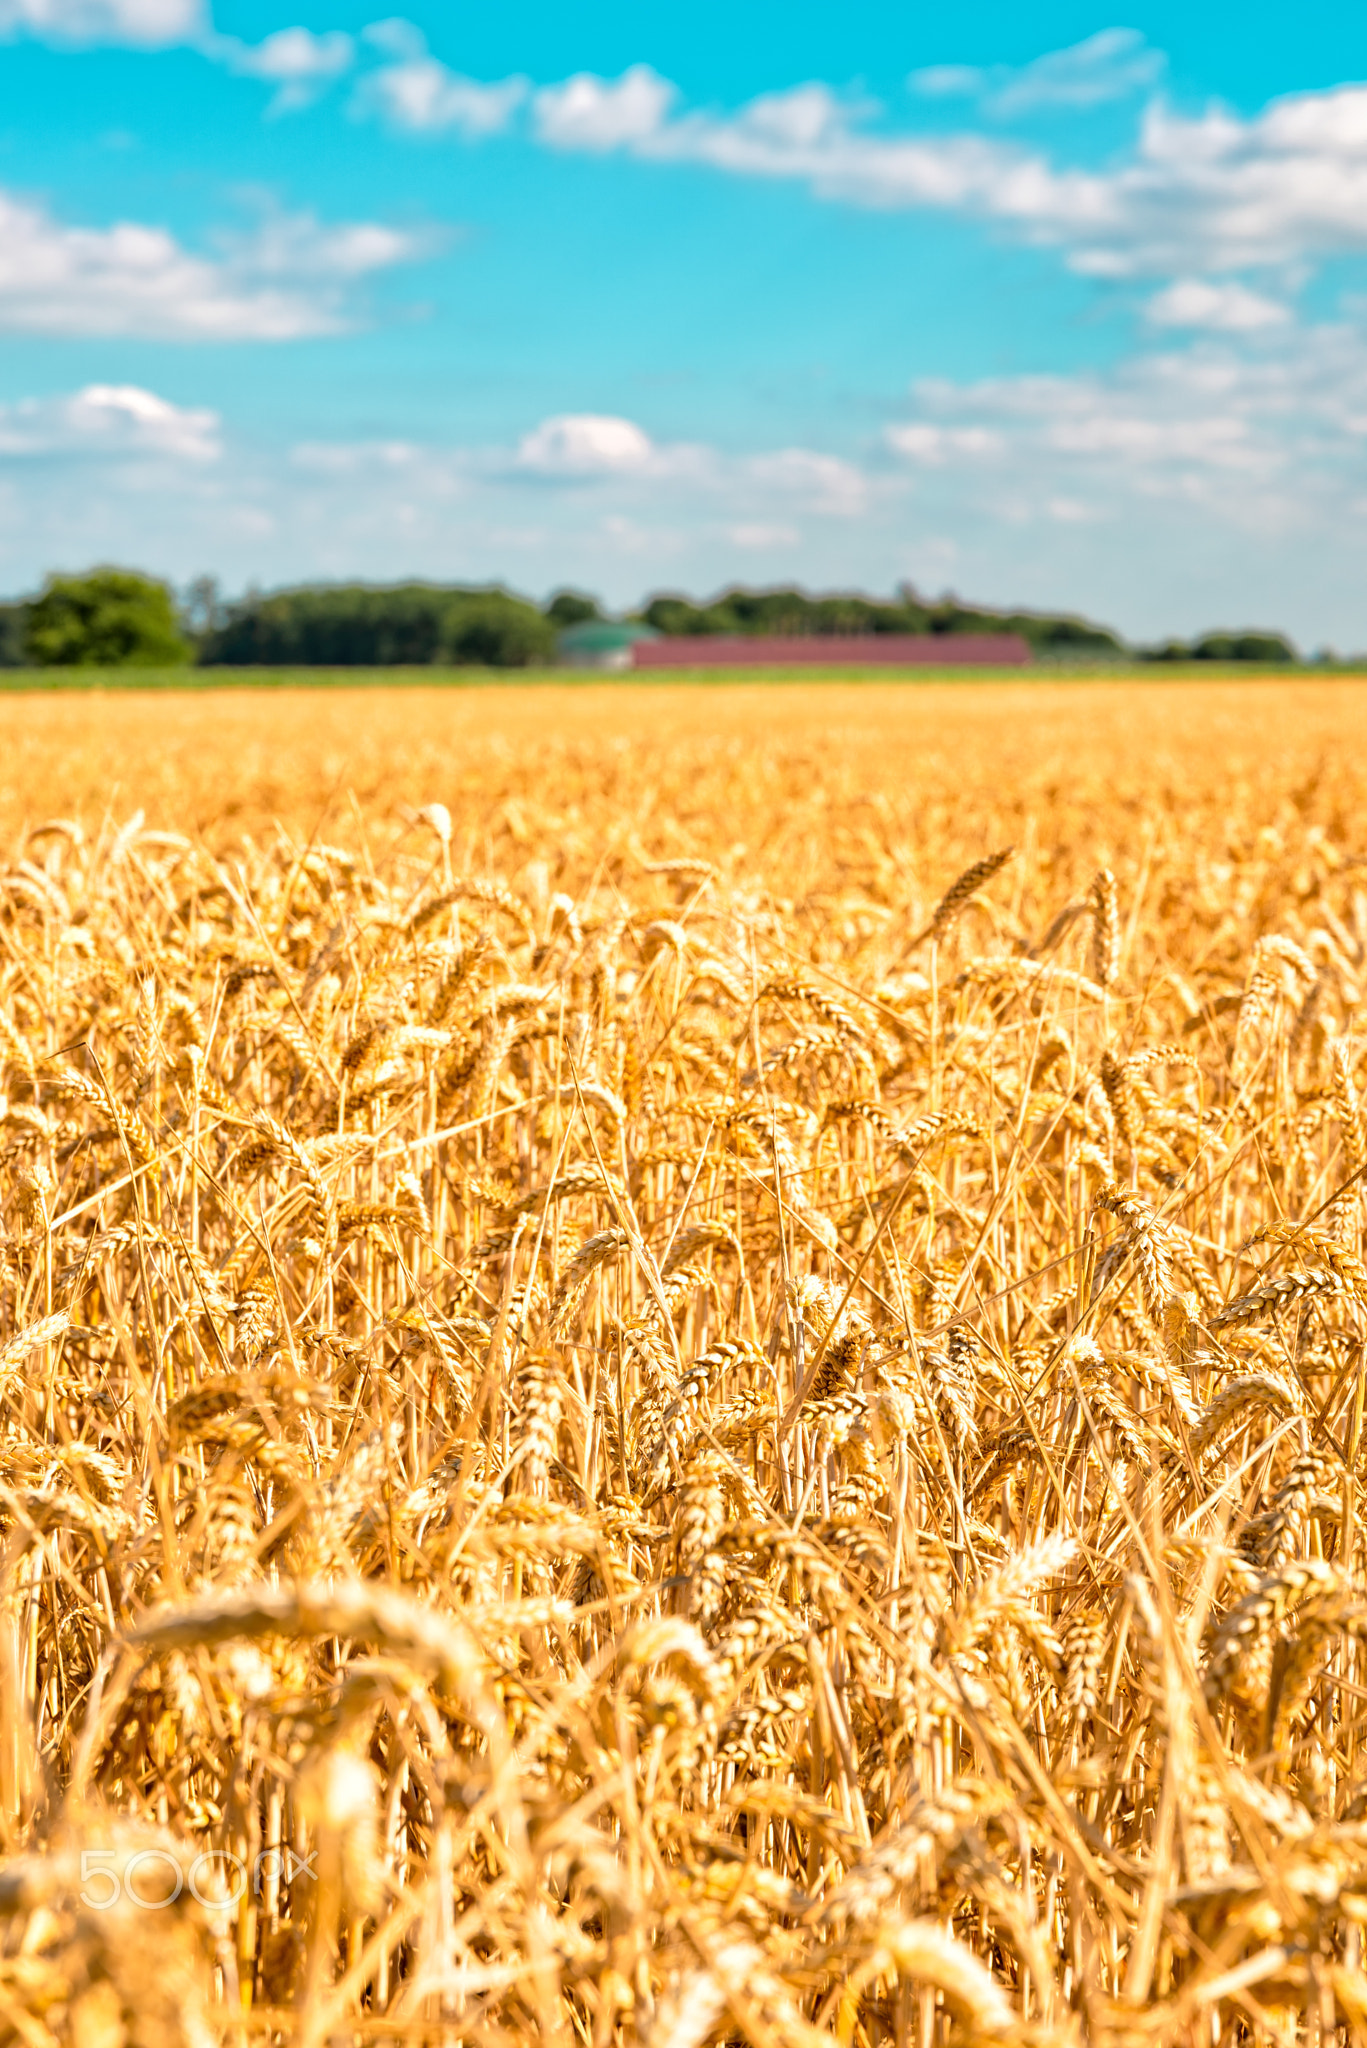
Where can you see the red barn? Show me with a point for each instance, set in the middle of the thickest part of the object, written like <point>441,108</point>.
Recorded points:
<point>850,650</point>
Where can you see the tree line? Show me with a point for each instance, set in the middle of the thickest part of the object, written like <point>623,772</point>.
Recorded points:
<point>118,617</point>
<point>792,611</point>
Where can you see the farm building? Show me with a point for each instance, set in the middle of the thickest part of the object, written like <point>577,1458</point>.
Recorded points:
<point>855,650</point>
<point>602,643</point>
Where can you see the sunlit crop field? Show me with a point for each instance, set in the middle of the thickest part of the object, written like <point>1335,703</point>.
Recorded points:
<point>684,1365</point>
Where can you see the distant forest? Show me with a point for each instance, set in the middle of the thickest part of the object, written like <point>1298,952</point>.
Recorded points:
<point>115,616</point>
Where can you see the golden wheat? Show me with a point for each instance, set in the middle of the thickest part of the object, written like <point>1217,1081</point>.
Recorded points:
<point>618,1424</point>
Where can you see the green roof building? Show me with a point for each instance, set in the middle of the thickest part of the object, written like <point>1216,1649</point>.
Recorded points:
<point>601,643</point>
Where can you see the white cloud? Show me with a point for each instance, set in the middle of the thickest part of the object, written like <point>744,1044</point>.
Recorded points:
<point>109,420</point>
<point>148,24</point>
<point>297,62</point>
<point>300,247</point>
<point>624,498</point>
<point>295,55</point>
<point>602,447</point>
<point>422,95</point>
<point>1199,194</point>
<point>810,134</point>
<point>395,37</point>
<point>132,279</point>
<point>1221,308</point>
<point>1158,412</point>
<point>1102,426</point>
<point>933,445</point>
<point>330,458</point>
<point>602,114</point>
<point>949,81</point>
<point>803,118</point>
<point>803,478</point>
<point>415,91</point>
<point>1215,192</point>
<point>1111,65</point>
<point>624,465</point>
<point>586,444</point>
<point>755,535</point>
<point>1263,439</point>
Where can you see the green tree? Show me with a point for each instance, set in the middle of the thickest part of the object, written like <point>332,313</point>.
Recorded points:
<point>787,610</point>
<point>201,606</point>
<point>1246,646</point>
<point>572,608</point>
<point>13,635</point>
<point>1243,647</point>
<point>109,619</point>
<point>343,625</point>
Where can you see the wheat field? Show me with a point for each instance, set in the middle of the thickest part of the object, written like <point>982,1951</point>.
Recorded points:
<point>684,1366</point>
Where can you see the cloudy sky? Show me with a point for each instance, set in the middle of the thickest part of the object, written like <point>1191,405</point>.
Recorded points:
<point>1033,304</point>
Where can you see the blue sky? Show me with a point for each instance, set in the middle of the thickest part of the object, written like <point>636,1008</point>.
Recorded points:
<point>1044,306</point>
